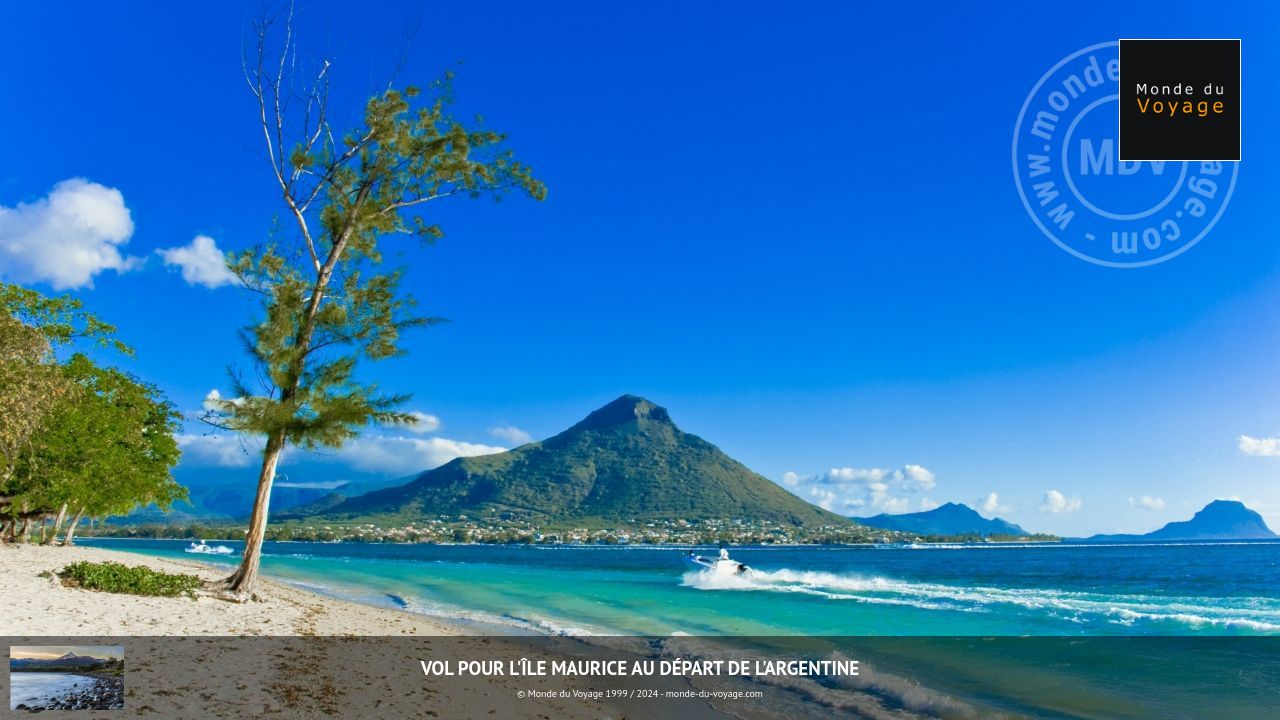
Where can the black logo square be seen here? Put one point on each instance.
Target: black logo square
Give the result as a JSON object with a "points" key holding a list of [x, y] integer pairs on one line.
{"points": [[1179, 100]]}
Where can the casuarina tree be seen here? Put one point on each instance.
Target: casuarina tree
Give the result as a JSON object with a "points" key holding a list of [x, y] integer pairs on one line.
{"points": [[329, 300]]}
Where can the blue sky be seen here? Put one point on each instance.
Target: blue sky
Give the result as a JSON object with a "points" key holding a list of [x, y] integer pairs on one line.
{"points": [[794, 227]]}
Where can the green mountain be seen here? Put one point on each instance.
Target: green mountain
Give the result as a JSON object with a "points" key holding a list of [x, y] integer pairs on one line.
{"points": [[624, 463]]}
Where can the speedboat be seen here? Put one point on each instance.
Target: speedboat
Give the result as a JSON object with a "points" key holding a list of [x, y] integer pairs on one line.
{"points": [[718, 565], [203, 548]]}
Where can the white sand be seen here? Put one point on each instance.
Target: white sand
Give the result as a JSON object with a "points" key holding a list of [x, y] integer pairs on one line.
{"points": [[32, 605], [192, 657]]}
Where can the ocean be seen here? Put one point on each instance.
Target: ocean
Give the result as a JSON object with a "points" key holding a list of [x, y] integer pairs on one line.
{"points": [[1214, 588], [34, 689], [1116, 632]]}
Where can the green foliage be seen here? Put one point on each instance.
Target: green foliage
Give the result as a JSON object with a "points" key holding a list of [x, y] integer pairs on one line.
{"points": [[329, 300], [626, 462], [106, 448], [30, 387], [75, 438], [118, 578], [62, 320]]}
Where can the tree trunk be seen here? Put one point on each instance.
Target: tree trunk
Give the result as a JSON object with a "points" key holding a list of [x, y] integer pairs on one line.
{"points": [[25, 537], [71, 529], [57, 526], [243, 580]]}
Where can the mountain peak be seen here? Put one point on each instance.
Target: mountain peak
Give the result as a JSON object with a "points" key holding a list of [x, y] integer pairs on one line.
{"points": [[1219, 520], [624, 463], [68, 656], [625, 409], [948, 519]]}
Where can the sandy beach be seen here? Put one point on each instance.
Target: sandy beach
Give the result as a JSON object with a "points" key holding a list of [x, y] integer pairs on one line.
{"points": [[34, 605], [298, 654]]}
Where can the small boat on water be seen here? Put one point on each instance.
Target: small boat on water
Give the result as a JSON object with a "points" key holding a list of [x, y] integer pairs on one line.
{"points": [[203, 548], [722, 564]]}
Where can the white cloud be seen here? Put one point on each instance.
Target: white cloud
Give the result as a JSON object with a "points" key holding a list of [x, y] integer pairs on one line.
{"points": [[991, 505], [391, 455], [201, 262], [222, 450], [396, 455], [1147, 502], [1057, 503], [919, 478], [511, 434], [426, 423], [214, 402], [865, 491], [66, 238], [1260, 447]]}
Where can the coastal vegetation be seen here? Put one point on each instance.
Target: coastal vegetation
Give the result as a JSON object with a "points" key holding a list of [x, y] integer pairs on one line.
{"points": [[78, 439], [497, 531], [328, 300], [131, 580]]}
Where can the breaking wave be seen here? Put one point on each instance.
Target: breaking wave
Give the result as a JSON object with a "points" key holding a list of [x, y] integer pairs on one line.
{"points": [[1155, 613]]}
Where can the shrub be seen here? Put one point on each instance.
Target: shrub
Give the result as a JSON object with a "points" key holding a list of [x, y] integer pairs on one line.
{"points": [[117, 578]]}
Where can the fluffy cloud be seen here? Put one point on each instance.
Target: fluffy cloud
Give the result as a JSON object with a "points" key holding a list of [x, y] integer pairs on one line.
{"points": [[864, 491], [221, 450], [201, 262], [511, 434], [391, 455], [395, 455], [214, 402], [66, 238], [1260, 447], [1058, 504], [426, 423], [991, 505], [1147, 502]]}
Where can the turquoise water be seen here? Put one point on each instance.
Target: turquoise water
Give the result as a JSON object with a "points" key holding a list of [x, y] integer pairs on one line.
{"points": [[1041, 590]]}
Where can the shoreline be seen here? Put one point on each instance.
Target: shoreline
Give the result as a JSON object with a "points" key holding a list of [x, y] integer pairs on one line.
{"points": [[309, 654], [42, 606], [105, 692]]}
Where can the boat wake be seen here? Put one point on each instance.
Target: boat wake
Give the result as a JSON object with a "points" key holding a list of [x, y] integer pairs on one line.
{"points": [[1136, 613]]}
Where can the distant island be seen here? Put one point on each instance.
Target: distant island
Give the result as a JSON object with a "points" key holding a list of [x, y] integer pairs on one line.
{"points": [[1219, 520], [948, 520]]}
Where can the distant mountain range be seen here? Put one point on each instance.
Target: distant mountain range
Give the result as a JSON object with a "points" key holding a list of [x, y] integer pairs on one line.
{"points": [[223, 500], [1219, 520], [67, 661], [948, 519], [626, 462]]}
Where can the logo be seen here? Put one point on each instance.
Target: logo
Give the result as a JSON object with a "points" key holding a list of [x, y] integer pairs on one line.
{"points": [[1180, 100], [1107, 211]]}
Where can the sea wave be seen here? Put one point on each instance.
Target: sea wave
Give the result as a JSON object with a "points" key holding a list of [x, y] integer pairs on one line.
{"points": [[507, 622], [1140, 612]]}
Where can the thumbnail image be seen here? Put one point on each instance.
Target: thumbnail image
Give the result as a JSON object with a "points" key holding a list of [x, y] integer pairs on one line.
{"points": [[66, 677]]}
